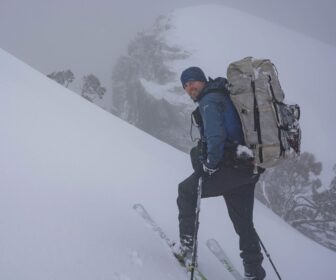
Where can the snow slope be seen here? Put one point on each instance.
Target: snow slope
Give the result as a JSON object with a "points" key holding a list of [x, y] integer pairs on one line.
{"points": [[69, 175], [215, 36]]}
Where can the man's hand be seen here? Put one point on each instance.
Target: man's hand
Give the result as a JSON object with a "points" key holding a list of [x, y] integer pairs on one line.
{"points": [[196, 159]]}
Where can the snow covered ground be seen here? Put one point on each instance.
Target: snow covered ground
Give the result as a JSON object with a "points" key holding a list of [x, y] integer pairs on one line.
{"points": [[69, 175]]}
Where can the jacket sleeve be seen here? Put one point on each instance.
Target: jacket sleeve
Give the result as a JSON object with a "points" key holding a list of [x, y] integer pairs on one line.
{"points": [[214, 129]]}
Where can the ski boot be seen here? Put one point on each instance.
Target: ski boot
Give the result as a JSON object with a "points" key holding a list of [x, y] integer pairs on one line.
{"points": [[254, 272], [184, 255]]}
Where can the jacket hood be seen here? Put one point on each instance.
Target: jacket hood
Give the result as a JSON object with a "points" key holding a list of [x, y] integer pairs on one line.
{"points": [[214, 85]]}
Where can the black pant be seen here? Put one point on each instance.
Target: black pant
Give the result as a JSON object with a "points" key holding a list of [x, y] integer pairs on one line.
{"points": [[237, 186]]}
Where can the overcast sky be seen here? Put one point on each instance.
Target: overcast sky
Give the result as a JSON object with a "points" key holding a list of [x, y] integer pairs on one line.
{"points": [[88, 36]]}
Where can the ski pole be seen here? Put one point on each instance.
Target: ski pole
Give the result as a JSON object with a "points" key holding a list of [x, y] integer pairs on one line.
{"points": [[269, 257], [198, 208]]}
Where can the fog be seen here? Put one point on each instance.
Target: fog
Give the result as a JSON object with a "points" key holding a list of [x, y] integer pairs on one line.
{"points": [[88, 36]]}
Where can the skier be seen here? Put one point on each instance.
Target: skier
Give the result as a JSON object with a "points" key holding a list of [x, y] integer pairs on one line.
{"points": [[224, 172]]}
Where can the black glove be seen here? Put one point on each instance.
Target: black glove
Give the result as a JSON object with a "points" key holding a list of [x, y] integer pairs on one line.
{"points": [[196, 159]]}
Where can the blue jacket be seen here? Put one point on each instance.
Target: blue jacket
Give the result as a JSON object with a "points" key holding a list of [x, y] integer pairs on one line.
{"points": [[222, 129]]}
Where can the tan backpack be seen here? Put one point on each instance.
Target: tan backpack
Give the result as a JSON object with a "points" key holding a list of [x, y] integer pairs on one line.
{"points": [[271, 128]]}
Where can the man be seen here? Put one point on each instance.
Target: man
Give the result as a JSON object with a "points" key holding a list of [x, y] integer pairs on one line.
{"points": [[224, 173]]}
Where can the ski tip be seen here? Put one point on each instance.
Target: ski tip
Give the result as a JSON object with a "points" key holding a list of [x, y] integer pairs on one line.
{"points": [[213, 244], [211, 240], [137, 205]]}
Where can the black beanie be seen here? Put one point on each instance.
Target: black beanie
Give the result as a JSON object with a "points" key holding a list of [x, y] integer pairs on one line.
{"points": [[192, 74]]}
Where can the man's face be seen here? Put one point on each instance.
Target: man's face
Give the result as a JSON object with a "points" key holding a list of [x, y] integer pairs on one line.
{"points": [[194, 88]]}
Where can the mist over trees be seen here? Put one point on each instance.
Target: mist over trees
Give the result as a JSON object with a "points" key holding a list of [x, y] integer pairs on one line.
{"points": [[294, 191], [64, 77], [147, 59], [90, 87], [290, 179]]}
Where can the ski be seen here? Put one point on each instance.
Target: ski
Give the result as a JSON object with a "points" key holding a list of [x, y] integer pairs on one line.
{"points": [[218, 251], [140, 209]]}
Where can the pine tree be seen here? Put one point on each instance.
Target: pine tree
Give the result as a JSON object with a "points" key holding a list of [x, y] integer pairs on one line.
{"points": [[287, 182], [91, 88], [62, 77], [326, 201]]}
